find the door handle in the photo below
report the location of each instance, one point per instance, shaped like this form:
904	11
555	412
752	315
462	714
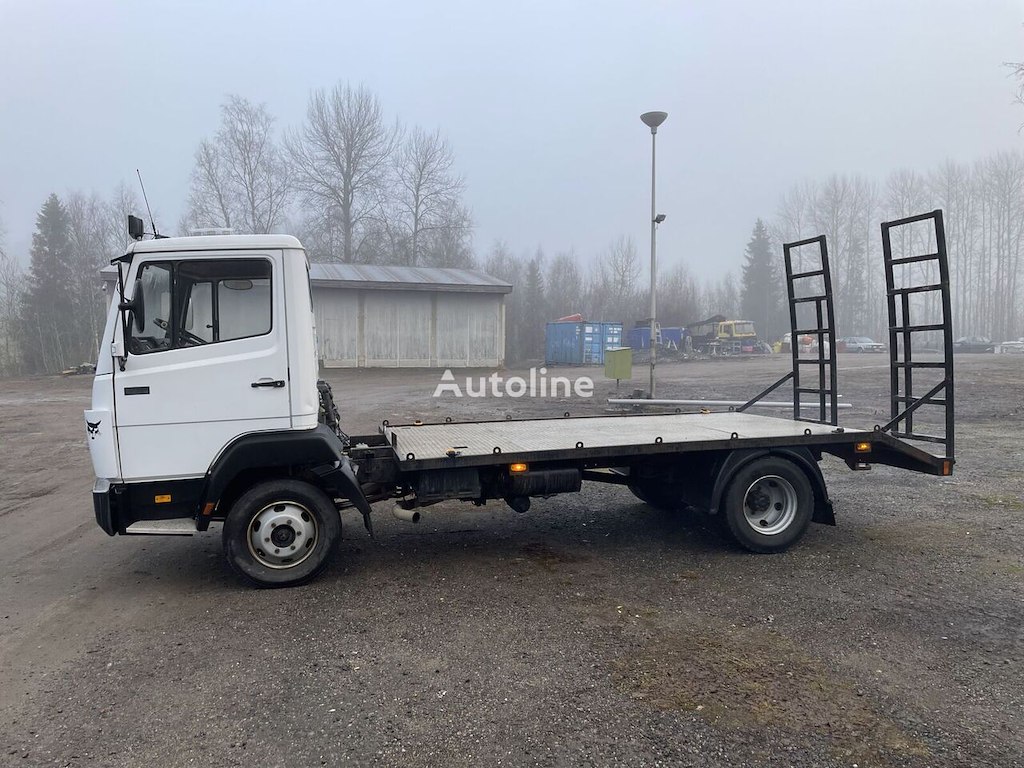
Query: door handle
276	384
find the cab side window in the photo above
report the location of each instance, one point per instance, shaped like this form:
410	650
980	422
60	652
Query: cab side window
193	303
156	281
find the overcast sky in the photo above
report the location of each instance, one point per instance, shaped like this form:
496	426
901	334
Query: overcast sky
540	100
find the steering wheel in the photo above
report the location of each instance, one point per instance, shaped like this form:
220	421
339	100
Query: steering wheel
190	339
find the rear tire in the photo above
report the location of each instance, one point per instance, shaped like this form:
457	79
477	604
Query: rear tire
281	533
768	505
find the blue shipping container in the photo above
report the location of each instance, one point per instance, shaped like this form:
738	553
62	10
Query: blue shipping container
640	337
569	343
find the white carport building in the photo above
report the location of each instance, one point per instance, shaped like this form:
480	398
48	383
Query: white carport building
382	316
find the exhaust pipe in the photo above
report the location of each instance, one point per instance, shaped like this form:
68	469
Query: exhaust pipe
408	515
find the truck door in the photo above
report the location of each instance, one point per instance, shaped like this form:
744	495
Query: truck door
210	363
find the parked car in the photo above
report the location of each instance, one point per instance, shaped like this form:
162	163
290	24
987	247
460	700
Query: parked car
1012	347
973	344
861	344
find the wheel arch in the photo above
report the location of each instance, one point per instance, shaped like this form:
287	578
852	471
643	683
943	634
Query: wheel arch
313	455
801	457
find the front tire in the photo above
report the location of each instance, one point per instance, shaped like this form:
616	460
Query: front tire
768	505
281	533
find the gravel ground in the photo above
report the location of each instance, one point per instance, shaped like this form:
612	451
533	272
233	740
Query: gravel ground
592	630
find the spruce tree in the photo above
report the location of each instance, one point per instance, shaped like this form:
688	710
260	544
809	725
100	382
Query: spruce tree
49	327
761	293
536	306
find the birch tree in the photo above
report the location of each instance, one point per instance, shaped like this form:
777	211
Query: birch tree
341	160
427	191
240	179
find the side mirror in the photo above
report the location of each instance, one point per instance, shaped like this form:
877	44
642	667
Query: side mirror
137	306
136	227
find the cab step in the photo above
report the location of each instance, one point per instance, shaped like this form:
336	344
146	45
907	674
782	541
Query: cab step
185	526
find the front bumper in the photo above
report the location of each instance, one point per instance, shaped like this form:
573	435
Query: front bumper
104	504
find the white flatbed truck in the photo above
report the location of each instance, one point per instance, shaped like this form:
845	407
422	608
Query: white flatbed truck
206	406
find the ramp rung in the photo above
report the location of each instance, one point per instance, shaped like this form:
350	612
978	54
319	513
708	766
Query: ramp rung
929	401
810	332
809	391
805	299
915	289
812	361
912	259
812	273
919	365
911	219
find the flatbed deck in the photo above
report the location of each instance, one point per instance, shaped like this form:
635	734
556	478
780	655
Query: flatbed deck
453	444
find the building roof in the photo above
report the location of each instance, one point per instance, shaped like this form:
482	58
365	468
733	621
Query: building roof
405	278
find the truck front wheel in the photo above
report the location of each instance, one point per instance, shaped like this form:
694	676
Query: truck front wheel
281	533
768	505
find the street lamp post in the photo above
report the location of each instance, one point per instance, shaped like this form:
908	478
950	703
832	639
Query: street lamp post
652	120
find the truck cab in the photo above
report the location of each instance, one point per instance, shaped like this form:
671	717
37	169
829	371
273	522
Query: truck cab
200	351
207	371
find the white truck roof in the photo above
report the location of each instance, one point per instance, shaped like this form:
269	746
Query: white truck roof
214	243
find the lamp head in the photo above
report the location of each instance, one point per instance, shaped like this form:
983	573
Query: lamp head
653	119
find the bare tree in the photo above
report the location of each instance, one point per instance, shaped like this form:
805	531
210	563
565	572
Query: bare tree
565	285
240	179
450	245
1003	188
613	289
428	189
123	201
12	280
501	263
210	202
722	297
254	166
1017	73
952	187
678	297
341	160
87	234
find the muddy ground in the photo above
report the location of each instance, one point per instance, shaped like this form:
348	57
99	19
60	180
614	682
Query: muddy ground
592	630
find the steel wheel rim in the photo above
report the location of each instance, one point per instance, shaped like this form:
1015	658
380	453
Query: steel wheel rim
282	535
770	504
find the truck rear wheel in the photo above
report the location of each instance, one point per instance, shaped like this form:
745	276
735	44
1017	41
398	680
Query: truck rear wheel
768	505
281	533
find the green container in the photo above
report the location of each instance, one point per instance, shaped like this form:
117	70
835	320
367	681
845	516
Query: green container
618	363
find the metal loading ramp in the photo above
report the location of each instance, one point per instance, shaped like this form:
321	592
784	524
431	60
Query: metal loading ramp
477	443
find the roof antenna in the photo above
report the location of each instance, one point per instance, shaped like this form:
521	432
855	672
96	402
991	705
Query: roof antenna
152	222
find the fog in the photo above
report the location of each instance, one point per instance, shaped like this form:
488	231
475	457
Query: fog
540	101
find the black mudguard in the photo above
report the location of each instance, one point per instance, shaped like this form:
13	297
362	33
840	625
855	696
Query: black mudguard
800	456
318	450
